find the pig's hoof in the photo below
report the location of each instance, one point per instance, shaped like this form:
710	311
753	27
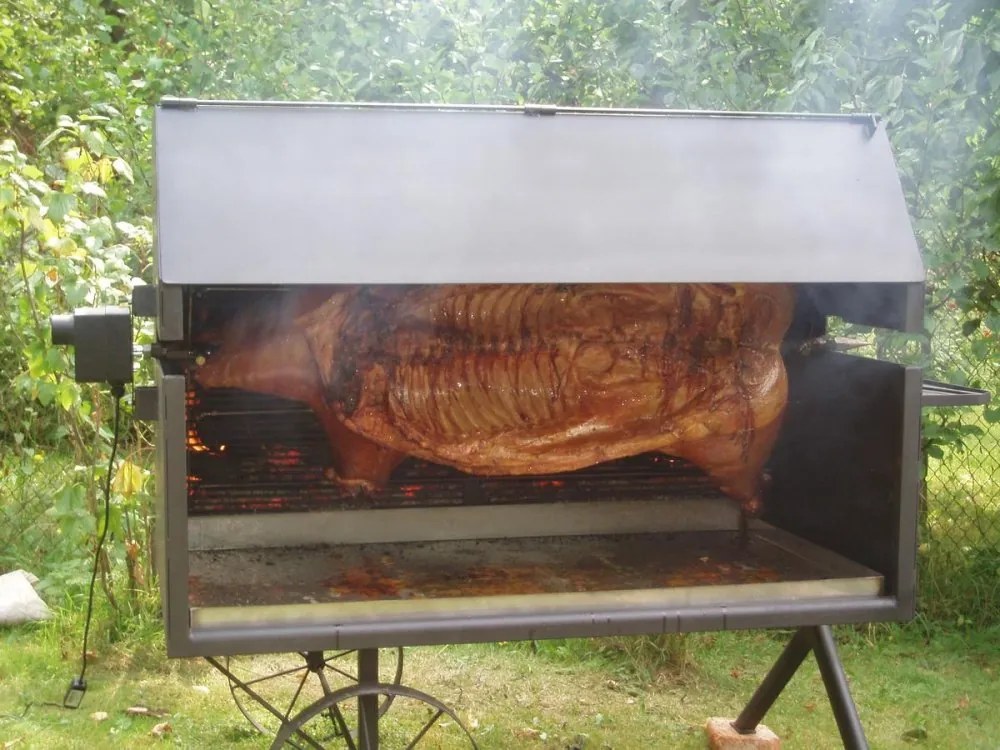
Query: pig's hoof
353	487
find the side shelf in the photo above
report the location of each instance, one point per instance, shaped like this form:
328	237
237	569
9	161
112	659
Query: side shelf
945	394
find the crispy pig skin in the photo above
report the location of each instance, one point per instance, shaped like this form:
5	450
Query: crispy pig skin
515	379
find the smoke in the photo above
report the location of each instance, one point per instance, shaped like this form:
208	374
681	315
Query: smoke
928	68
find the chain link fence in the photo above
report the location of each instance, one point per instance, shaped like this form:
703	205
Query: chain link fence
960	518
44	519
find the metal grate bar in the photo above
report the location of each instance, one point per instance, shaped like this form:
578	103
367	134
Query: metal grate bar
251	453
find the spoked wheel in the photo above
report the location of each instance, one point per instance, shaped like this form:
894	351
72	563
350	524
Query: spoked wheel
270	689
342	720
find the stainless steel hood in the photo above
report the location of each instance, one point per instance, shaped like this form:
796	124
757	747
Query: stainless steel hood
379	194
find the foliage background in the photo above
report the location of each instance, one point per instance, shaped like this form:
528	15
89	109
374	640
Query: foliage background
79	80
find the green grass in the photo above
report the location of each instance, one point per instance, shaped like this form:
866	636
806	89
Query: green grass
939	687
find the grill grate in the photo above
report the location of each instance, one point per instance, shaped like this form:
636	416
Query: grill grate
251	453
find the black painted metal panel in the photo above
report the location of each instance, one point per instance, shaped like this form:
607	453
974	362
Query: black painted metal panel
845	467
535	625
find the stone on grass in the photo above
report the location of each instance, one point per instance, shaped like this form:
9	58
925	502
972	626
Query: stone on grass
722	736
18	600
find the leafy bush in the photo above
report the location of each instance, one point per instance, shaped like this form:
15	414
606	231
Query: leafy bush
67	251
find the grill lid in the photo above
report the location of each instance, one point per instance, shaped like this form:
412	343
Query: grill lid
261	193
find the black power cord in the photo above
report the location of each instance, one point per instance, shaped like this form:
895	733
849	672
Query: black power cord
77	688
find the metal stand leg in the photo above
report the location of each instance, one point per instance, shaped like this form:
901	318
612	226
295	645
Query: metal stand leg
819	640
835	681
368	704
769	690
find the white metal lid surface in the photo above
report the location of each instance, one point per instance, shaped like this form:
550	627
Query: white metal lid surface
256	193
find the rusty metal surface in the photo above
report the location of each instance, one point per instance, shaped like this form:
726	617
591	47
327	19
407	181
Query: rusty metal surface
540	569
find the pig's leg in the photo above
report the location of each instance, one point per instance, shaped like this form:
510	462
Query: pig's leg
359	464
280	365
283	365
734	461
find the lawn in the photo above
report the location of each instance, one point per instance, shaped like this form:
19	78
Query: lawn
915	687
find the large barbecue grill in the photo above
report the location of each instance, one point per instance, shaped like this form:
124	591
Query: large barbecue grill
262	206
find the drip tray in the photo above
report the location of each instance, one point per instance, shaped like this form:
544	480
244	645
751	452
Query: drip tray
363	582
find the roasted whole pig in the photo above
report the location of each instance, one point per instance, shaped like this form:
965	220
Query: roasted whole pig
515	379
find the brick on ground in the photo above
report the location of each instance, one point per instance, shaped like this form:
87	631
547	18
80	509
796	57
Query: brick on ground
722	736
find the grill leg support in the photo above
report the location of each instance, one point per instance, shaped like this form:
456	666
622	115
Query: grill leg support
819	640
769	690
368	704
835	681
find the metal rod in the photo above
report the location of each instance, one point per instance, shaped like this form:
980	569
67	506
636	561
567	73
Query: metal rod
342	726
236	682
334	714
298	694
426	728
170	102
844	710
368	703
775	681
309	740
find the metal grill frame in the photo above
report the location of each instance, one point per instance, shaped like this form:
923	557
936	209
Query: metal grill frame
187	636
859	280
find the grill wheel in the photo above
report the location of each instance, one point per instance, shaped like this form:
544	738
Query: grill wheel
271	689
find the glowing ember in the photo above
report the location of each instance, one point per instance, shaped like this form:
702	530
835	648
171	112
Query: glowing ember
194	442
549	483
284	457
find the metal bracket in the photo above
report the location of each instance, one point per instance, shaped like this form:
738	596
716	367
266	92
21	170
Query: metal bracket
170	313
144	301
935	393
871	125
536	110
178	102
145	403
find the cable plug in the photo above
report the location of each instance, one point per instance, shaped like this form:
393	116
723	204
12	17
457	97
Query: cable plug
74	696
